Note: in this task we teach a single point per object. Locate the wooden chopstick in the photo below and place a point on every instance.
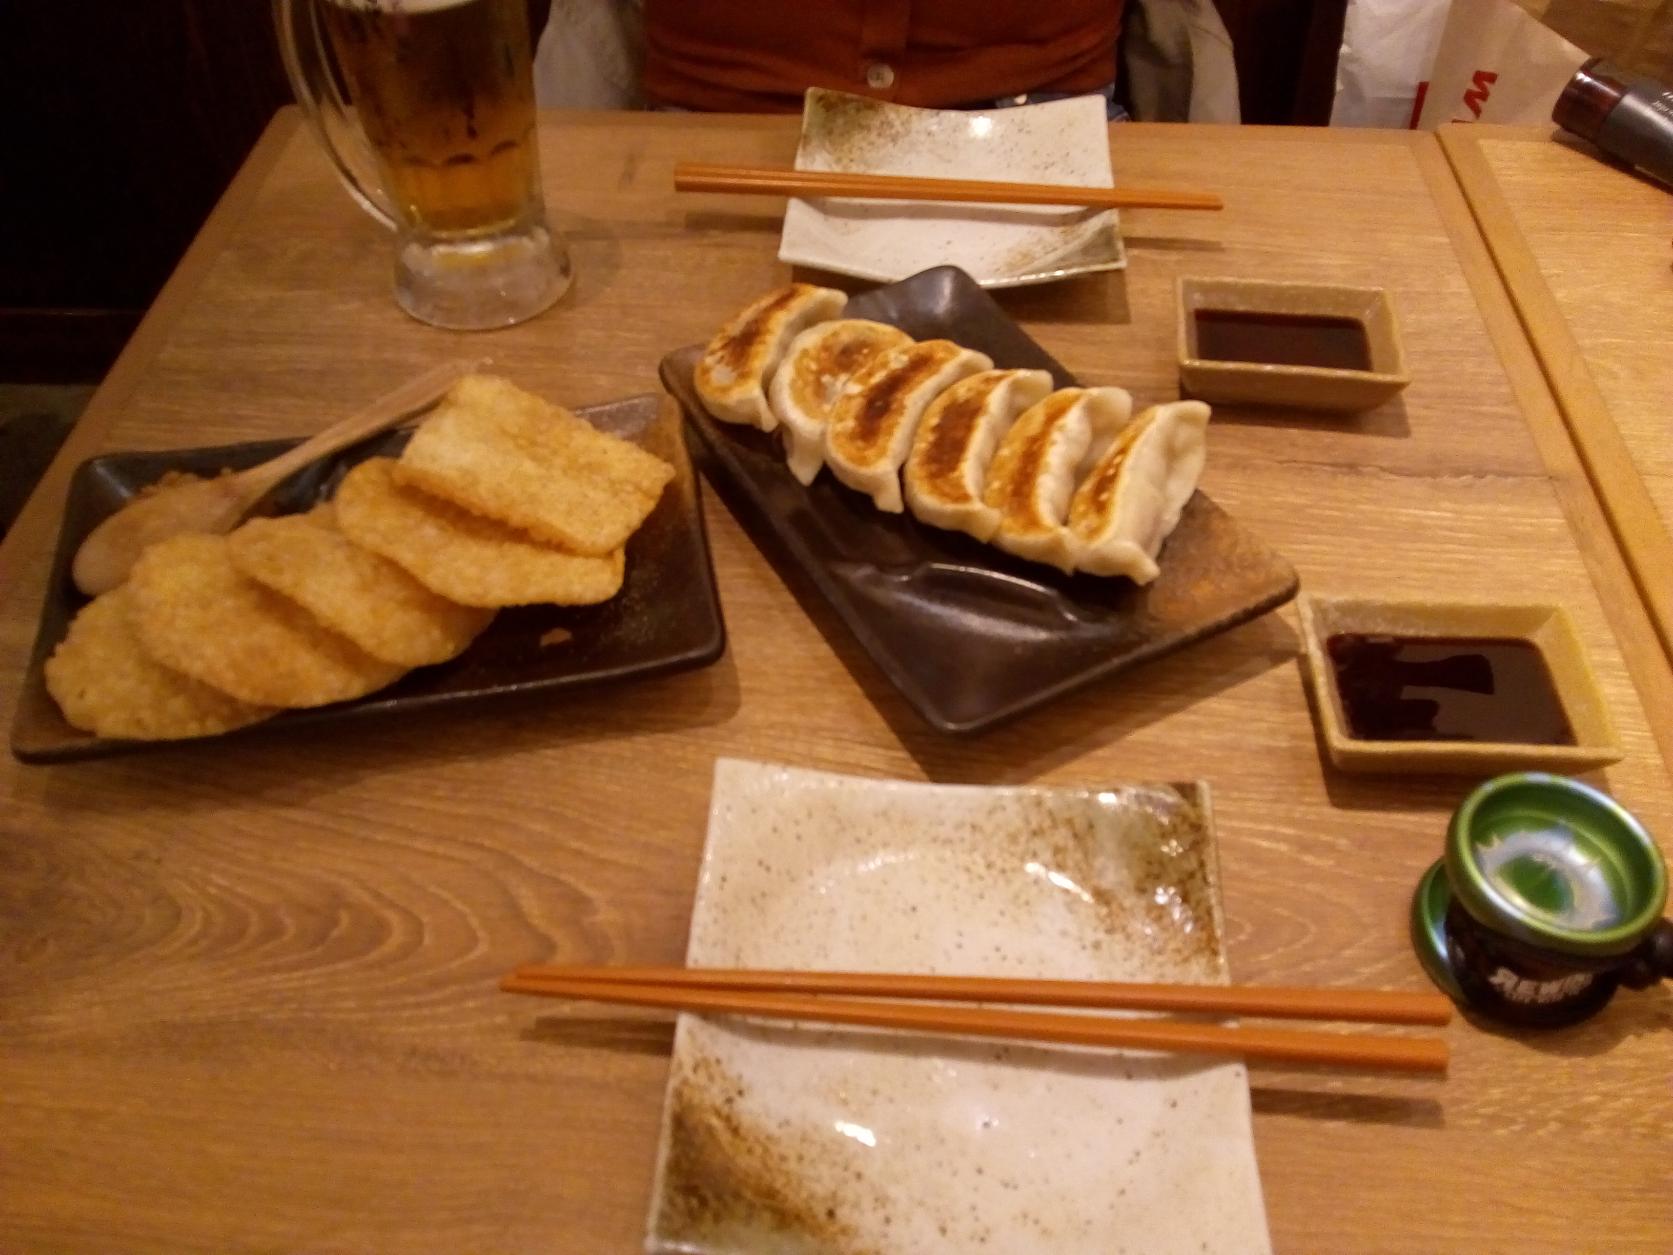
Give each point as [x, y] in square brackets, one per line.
[1369, 1006]
[775, 181]
[1358, 1050]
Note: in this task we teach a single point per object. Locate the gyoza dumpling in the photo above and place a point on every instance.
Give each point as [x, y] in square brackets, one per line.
[871, 428]
[956, 439]
[738, 364]
[1039, 462]
[809, 381]
[1131, 499]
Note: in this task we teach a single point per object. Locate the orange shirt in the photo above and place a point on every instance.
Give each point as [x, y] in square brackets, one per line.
[758, 56]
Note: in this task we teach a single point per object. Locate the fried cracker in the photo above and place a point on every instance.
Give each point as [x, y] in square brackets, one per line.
[462, 556]
[106, 684]
[195, 613]
[351, 590]
[508, 455]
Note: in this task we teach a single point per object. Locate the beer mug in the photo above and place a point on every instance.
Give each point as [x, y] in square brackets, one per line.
[426, 108]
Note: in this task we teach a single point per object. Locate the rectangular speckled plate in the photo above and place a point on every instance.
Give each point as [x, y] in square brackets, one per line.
[792, 1139]
[970, 635]
[1001, 246]
[666, 617]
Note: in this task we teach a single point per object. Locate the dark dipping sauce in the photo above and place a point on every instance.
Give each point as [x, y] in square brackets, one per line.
[1229, 335]
[1447, 688]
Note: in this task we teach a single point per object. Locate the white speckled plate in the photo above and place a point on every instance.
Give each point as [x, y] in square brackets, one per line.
[1065, 141]
[792, 1139]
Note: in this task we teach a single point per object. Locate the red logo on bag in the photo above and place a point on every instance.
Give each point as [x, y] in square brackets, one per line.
[1481, 83]
[1417, 104]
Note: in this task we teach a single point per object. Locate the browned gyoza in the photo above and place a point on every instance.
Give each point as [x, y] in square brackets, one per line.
[1038, 464]
[810, 381]
[871, 429]
[738, 364]
[1065, 478]
[947, 469]
[1132, 497]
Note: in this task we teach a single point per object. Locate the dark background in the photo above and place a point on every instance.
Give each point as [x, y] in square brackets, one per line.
[120, 125]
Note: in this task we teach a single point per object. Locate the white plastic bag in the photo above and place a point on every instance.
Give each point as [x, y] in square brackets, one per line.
[1496, 64]
[1387, 49]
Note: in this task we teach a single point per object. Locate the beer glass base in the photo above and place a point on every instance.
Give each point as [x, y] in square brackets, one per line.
[484, 282]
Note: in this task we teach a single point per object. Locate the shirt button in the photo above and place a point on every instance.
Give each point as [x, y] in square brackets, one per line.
[880, 75]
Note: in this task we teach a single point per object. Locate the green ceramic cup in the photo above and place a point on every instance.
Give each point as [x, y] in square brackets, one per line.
[1548, 898]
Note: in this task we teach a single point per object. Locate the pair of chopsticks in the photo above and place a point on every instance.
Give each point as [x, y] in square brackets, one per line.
[808, 996]
[765, 181]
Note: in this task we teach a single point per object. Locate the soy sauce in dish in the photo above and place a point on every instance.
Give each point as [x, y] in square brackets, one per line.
[1447, 688]
[1234, 335]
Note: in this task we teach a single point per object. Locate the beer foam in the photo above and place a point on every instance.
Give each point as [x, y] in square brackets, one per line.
[399, 6]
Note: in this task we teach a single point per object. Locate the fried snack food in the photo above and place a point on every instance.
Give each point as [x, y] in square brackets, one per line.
[808, 383]
[948, 466]
[106, 684]
[352, 590]
[732, 376]
[1131, 499]
[195, 613]
[872, 426]
[507, 454]
[1038, 464]
[462, 556]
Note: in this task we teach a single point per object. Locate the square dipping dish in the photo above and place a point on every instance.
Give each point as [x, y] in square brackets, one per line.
[1309, 346]
[1462, 674]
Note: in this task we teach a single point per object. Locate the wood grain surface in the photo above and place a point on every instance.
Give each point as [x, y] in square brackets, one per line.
[1585, 249]
[247, 991]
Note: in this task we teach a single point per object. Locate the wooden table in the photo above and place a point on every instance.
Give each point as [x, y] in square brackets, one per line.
[1586, 251]
[247, 990]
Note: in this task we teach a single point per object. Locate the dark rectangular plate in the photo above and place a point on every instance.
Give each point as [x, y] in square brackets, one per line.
[666, 617]
[968, 634]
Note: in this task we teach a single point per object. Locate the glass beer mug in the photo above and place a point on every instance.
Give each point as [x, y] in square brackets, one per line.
[426, 108]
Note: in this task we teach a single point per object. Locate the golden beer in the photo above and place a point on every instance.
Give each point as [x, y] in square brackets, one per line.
[426, 109]
[445, 95]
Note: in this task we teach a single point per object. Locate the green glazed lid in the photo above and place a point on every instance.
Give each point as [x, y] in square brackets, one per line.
[1555, 863]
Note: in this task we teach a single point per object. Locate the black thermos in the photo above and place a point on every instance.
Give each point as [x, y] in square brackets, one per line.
[1629, 116]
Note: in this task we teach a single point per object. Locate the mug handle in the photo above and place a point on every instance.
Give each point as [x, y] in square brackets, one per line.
[303, 47]
[1652, 961]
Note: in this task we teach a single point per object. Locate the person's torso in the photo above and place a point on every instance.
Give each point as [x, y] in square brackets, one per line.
[744, 55]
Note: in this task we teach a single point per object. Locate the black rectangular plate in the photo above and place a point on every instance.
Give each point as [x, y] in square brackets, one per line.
[968, 634]
[666, 617]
